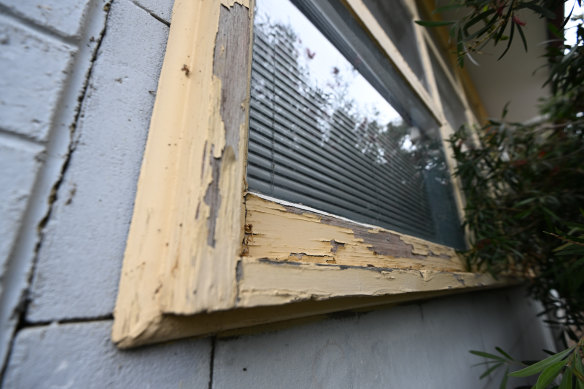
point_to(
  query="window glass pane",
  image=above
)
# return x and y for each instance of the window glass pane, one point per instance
(397, 23)
(451, 103)
(323, 136)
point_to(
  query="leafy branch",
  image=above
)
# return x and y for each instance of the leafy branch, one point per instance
(479, 22)
(568, 363)
(524, 185)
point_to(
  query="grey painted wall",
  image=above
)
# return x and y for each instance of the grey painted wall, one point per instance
(77, 84)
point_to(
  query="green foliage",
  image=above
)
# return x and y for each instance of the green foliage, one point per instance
(567, 364)
(479, 22)
(524, 187)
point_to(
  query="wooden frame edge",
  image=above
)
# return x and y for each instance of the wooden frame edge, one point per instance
(265, 315)
(280, 231)
(443, 39)
(185, 235)
(184, 279)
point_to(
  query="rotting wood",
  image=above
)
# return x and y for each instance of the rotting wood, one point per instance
(280, 230)
(182, 273)
(185, 236)
(264, 282)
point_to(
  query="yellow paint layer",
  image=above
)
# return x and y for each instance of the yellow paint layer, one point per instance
(185, 235)
(266, 283)
(182, 273)
(229, 3)
(280, 233)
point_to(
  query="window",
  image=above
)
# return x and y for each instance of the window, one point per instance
(323, 136)
(205, 255)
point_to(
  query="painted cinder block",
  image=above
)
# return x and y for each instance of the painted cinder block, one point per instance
(62, 16)
(80, 355)
(160, 8)
(34, 71)
(424, 345)
(19, 164)
(80, 260)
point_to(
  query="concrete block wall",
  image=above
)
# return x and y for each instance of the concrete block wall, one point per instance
(78, 81)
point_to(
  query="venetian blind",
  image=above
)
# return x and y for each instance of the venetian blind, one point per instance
(322, 136)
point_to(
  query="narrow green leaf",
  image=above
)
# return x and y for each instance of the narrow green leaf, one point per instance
(555, 31)
(522, 35)
(480, 32)
(526, 201)
(567, 18)
(579, 371)
(430, 23)
(478, 18)
(579, 383)
(490, 370)
(487, 355)
(539, 366)
(504, 380)
(504, 26)
(500, 350)
(549, 374)
(578, 364)
(509, 42)
(566, 380)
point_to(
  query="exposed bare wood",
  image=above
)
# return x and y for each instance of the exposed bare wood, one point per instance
(183, 271)
(265, 283)
(286, 233)
(185, 235)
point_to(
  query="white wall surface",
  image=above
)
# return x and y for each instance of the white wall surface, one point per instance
(516, 80)
(77, 84)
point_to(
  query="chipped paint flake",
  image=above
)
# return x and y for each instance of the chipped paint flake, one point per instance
(280, 231)
(186, 228)
(265, 283)
(230, 3)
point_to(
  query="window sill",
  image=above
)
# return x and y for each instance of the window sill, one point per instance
(203, 256)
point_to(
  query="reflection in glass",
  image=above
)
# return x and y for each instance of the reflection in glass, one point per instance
(322, 136)
(397, 23)
(451, 103)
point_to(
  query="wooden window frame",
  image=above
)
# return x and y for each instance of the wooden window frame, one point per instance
(203, 255)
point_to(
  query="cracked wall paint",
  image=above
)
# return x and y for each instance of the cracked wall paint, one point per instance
(84, 43)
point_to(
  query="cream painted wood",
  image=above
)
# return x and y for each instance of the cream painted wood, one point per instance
(185, 236)
(203, 256)
(390, 50)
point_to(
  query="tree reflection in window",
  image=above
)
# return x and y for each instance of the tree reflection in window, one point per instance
(322, 136)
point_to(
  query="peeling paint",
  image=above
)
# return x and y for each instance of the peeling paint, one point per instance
(263, 283)
(183, 274)
(336, 245)
(186, 230)
(280, 231)
(230, 3)
(213, 200)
